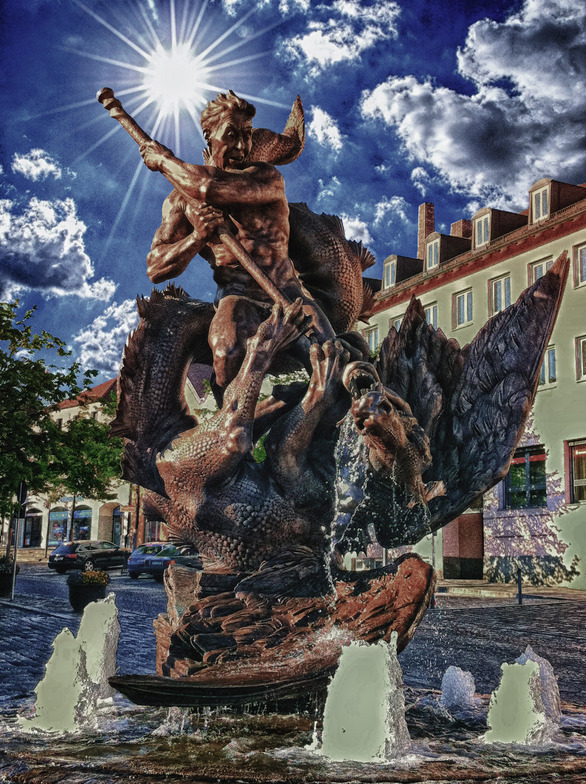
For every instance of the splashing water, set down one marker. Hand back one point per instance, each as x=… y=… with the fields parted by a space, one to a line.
x=458 y=689
x=76 y=676
x=525 y=708
x=364 y=718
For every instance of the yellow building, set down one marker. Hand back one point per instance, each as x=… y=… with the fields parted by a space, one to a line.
x=535 y=519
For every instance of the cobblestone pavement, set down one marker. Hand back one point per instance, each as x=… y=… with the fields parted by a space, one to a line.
x=479 y=635
x=475 y=634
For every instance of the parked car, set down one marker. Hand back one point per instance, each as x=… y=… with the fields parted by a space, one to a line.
x=155 y=565
x=136 y=561
x=87 y=554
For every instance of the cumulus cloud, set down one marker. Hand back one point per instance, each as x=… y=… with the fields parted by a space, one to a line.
x=390 y=209
x=102 y=342
x=327 y=190
x=525 y=120
x=324 y=129
x=341 y=31
x=356 y=229
x=36 y=165
x=42 y=248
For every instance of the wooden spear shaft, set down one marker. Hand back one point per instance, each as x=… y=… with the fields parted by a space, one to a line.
x=108 y=100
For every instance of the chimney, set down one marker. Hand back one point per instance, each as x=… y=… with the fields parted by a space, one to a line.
x=462 y=228
x=425 y=226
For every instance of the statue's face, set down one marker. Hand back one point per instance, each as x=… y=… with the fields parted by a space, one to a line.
x=230 y=141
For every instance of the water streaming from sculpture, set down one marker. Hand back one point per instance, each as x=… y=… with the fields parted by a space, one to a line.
x=425 y=429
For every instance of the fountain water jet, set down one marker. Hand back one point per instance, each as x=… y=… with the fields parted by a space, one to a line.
x=364 y=717
x=525 y=708
x=458 y=689
x=76 y=675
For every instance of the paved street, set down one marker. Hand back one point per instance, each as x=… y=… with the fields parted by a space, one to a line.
x=475 y=634
x=28 y=633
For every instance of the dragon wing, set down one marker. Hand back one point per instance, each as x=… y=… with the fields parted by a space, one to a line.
x=472 y=402
x=151 y=408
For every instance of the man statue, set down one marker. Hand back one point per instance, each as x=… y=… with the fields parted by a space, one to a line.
x=250 y=198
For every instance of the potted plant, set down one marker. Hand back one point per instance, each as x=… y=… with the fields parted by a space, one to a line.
x=6 y=566
x=86 y=587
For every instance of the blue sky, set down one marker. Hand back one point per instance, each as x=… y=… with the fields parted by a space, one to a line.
x=464 y=104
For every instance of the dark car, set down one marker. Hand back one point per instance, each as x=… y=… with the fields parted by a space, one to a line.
x=136 y=561
x=155 y=565
x=87 y=554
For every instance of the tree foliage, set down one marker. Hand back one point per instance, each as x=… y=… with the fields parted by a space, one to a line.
x=79 y=459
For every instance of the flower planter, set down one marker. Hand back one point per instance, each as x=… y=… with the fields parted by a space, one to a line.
x=82 y=595
x=5 y=584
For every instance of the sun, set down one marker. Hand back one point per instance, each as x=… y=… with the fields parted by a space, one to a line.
x=175 y=79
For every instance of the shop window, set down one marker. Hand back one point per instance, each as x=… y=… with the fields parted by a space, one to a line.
x=58 y=519
x=390 y=274
x=371 y=336
x=431 y=314
x=581 y=358
x=541 y=204
x=82 y=523
x=433 y=254
x=462 y=308
x=499 y=294
x=547 y=374
x=525 y=486
x=538 y=269
x=580 y=266
x=576 y=471
x=482 y=232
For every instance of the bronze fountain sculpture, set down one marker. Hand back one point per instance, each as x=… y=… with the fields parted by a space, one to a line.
x=389 y=450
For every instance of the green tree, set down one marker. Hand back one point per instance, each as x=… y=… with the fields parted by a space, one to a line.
x=78 y=460
x=86 y=460
x=30 y=389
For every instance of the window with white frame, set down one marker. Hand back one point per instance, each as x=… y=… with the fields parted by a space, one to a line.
x=433 y=254
x=541 y=204
x=581 y=358
x=462 y=304
x=371 y=336
x=580 y=266
x=396 y=322
x=431 y=314
x=548 y=373
x=482 y=230
x=500 y=294
x=390 y=274
x=538 y=269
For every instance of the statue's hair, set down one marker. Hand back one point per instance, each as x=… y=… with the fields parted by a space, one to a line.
x=224 y=104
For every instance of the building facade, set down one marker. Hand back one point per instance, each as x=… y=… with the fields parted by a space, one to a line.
x=535 y=519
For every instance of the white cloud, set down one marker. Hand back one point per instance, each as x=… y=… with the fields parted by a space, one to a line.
x=328 y=190
x=341 y=31
x=36 y=165
x=323 y=128
x=421 y=179
x=525 y=120
x=395 y=207
x=102 y=342
x=356 y=229
x=42 y=248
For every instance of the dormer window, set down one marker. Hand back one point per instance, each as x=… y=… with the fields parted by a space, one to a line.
x=541 y=204
x=482 y=231
x=390 y=274
x=433 y=254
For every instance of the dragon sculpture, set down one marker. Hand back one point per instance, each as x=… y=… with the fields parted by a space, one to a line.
x=383 y=452
x=360 y=452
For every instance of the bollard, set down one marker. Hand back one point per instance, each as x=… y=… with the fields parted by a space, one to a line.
x=519 y=588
